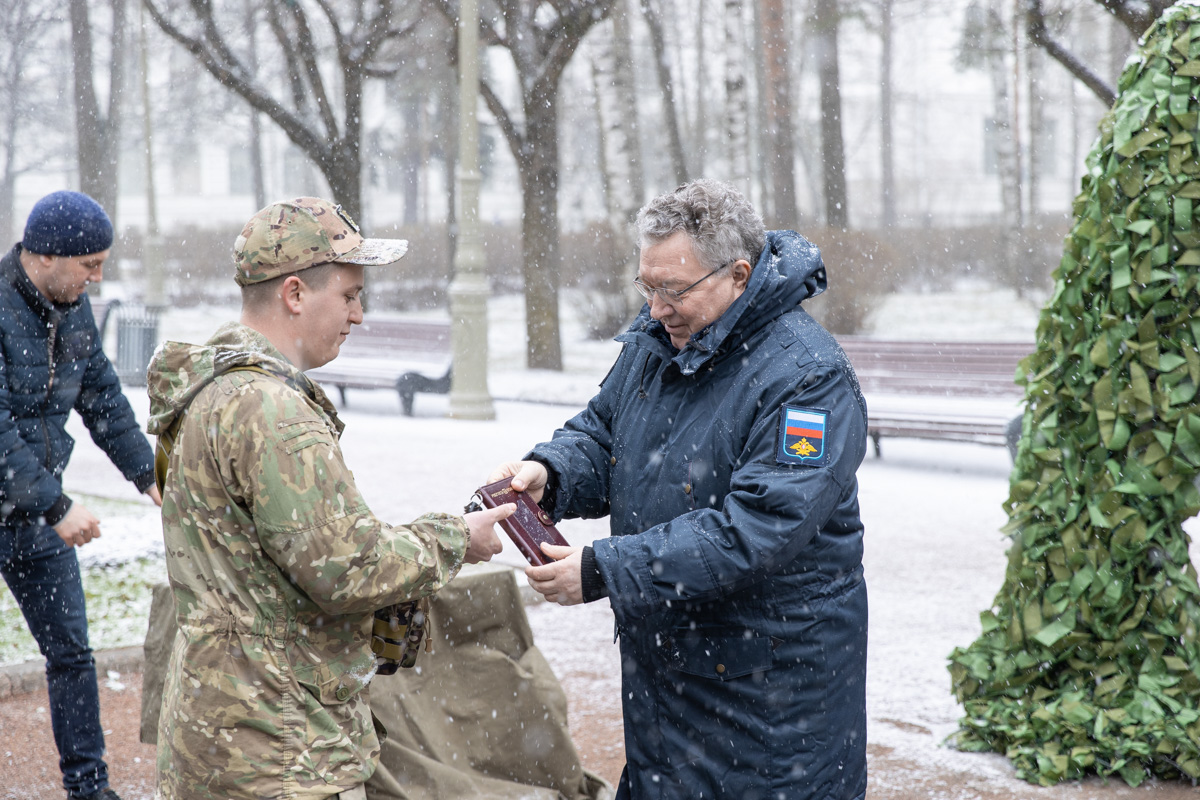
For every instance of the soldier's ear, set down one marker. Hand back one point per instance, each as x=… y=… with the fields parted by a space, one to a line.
x=291 y=292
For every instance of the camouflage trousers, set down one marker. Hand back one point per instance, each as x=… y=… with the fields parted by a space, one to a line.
x=358 y=793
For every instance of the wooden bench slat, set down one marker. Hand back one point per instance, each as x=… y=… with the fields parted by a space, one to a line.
x=933 y=374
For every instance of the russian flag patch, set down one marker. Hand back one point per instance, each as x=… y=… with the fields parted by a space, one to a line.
x=802 y=436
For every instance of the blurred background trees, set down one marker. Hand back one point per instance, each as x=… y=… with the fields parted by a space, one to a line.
x=920 y=142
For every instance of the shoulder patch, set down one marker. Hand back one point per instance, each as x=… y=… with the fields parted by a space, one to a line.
x=802 y=436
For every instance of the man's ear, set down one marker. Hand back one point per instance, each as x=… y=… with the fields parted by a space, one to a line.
x=741 y=273
x=292 y=291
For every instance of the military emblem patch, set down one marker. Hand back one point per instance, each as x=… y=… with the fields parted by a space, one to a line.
x=802 y=436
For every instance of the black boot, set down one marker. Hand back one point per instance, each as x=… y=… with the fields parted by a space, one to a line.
x=103 y=794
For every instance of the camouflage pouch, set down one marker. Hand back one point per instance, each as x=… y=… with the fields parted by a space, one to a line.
x=396 y=635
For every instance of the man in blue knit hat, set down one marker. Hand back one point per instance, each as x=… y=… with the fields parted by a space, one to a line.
x=51 y=362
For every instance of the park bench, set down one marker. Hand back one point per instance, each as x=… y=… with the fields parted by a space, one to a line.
x=956 y=391
x=408 y=355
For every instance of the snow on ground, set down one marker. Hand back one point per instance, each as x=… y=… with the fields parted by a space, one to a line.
x=934 y=554
x=971 y=312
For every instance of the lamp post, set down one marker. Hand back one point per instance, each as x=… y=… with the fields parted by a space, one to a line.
x=469 y=398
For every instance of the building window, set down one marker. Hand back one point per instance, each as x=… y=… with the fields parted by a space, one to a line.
x=241 y=174
x=185 y=170
x=1044 y=151
x=993 y=129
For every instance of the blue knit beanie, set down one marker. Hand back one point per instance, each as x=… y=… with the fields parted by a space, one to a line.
x=67 y=224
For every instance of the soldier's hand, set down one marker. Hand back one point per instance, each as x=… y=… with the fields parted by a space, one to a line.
x=528 y=476
x=78 y=527
x=484 y=541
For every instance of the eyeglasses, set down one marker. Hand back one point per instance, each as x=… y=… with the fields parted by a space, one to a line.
x=671 y=295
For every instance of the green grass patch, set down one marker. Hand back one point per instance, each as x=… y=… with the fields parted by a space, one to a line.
x=118 y=608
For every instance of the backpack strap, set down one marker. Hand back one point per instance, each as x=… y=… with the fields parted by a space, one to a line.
x=166 y=439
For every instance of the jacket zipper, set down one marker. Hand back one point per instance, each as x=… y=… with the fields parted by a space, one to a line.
x=49 y=388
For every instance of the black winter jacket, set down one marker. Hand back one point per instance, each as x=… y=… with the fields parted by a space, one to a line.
x=51 y=362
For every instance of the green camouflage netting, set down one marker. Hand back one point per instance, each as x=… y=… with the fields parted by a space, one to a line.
x=1089 y=661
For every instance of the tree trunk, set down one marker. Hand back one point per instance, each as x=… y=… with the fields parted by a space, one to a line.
x=410 y=109
x=621 y=152
x=1005 y=135
x=833 y=151
x=737 y=107
x=97 y=134
x=1037 y=132
x=341 y=165
x=7 y=186
x=541 y=264
x=698 y=124
x=887 y=183
x=781 y=147
x=662 y=70
x=257 y=172
x=258 y=176
x=11 y=123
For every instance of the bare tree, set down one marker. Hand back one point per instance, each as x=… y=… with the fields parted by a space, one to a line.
x=1135 y=15
x=985 y=45
x=781 y=140
x=313 y=39
x=825 y=23
x=736 y=117
x=27 y=105
x=698 y=128
x=258 y=179
x=541 y=36
x=887 y=182
x=652 y=12
x=98 y=132
x=624 y=181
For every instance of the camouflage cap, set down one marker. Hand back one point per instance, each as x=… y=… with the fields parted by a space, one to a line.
x=297 y=234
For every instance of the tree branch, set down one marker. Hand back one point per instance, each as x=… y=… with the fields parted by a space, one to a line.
x=293 y=71
x=213 y=35
x=565 y=39
x=1136 y=15
x=1035 y=22
x=308 y=57
x=116 y=65
x=516 y=141
x=292 y=125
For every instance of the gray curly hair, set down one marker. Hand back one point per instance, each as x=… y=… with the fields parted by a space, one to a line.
x=719 y=220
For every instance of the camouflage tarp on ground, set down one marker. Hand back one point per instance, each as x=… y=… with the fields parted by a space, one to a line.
x=481 y=716
x=1089 y=659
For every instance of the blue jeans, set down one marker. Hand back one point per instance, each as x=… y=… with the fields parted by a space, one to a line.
x=43 y=574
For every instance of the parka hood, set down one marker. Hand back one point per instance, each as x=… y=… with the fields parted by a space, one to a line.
x=180 y=370
x=788 y=272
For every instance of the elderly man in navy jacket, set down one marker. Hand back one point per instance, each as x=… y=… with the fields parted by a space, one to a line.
x=723 y=446
x=50 y=362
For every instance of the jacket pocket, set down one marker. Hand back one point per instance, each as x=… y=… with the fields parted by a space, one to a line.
x=300 y=432
x=720 y=657
x=335 y=682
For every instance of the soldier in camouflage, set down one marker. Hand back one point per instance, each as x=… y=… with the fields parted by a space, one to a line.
x=276 y=563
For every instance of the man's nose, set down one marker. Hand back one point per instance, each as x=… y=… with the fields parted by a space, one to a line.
x=356 y=313
x=97 y=275
x=659 y=308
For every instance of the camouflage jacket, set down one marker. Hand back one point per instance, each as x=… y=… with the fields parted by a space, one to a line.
x=277 y=566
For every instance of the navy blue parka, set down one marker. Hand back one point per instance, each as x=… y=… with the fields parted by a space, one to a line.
x=734 y=568
x=51 y=362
